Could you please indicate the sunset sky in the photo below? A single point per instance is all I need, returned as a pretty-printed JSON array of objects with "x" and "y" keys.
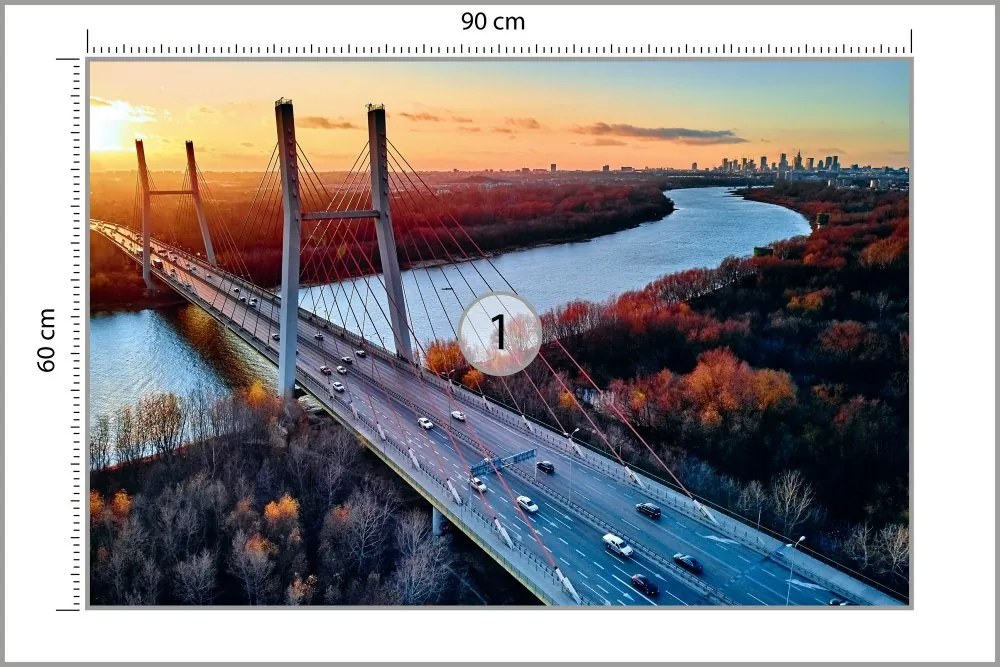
[{"x": 504, "y": 115}]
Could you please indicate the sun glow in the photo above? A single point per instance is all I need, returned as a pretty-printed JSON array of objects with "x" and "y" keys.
[{"x": 112, "y": 124}]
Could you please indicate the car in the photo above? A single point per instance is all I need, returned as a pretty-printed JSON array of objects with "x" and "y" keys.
[
  {"x": 617, "y": 545},
  {"x": 527, "y": 504},
  {"x": 194, "y": 269},
  {"x": 478, "y": 484},
  {"x": 360, "y": 353},
  {"x": 318, "y": 336},
  {"x": 236, "y": 290},
  {"x": 837, "y": 602},
  {"x": 425, "y": 423},
  {"x": 275, "y": 337},
  {"x": 546, "y": 467},
  {"x": 688, "y": 563},
  {"x": 458, "y": 414},
  {"x": 347, "y": 360},
  {"x": 338, "y": 387},
  {"x": 243, "y": 299},
  {"x": 649, "y": 509},
  {"x": 325, "y": 370},
  {"x": 643, "y": 583},
  {"x": 341, "y": 370},
  {"x": 253, "y": 301}
]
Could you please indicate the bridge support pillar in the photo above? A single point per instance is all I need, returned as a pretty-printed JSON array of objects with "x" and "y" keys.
[
  {"x": 199, "y": 211},
  {"x": 291, "y": 247},
  {"x": 146, "y": 206},
  {"x": 383, "y": 229},
  {"x": 437, "y": 522}
]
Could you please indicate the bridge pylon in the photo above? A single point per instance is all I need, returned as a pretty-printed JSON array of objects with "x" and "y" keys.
[
  {"x": 291, "y": 237},
  {"x": 291, "y": 247},
  {"x": 146, "y": 207}
]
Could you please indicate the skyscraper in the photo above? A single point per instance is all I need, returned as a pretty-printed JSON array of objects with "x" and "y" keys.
[
  {"x": 694, "y": 166},
  {"x": 809, "y": 163},
  {"x": 552, "y": 167},
  {"x": 836, "y": 163},
  {"x": 783, "y": 163},
  {"x": 798, "y": 161},
  {"x": 763, "y": 163}
]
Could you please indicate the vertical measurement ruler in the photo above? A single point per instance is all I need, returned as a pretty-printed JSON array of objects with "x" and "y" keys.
[{"x": 71, "y": 349}]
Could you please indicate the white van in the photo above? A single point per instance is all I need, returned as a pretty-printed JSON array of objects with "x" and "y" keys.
[{"x": 617, "y": 545}]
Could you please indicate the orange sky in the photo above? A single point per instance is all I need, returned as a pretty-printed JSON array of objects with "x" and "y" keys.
[{"x": 504, "y": 114}]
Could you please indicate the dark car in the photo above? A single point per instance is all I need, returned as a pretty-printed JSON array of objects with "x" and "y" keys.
[
  {"x": 546, "y": 467},
  {"x": 688, "y": 563},
  {"x": 644, "y": 584},
  {"x": 360, "y": 353},
  {"x": 837, "y": 602},
  {"x": 649, "y": 509},
  {"x": 347, "y": 360}
]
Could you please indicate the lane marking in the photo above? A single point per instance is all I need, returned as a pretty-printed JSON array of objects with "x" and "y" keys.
[
  {"x": 580, "y": 552},
  {"x": 758, "y": 599},
  {"x": 563, "y": 541}
]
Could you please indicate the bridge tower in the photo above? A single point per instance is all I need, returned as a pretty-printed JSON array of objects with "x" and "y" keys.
[
  {"x": 146, "y": 206},
  {"x": 291, "y": 246},
  {"x": 291, "y": 237},
  {"x": 383, "y": 229}
]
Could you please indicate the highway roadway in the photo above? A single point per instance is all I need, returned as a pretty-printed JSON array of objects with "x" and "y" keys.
[{"x": 564, "y": 534}]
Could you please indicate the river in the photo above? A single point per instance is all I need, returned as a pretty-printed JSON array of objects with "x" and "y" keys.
[{"x": 180, "y": 348}]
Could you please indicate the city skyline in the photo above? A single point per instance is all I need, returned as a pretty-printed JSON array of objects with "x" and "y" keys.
[{"x": 505, "y": 115}]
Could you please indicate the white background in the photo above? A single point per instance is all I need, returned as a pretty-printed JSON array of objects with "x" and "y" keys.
[{"x": 953, "y": 240}]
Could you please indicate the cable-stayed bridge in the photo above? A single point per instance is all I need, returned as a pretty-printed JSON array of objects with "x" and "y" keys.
[{"x": 358, "y": 342}]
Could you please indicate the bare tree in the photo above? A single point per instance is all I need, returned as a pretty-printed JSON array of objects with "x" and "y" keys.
[
  {"x": 792, "y": 498},
  {"x": 893, "y": 546},
  {"x": 177, "y": 523},
  {"x": 423, "y": 571},
  {"x": 753, "y": 500},
  {"x": 422, "y": 577},
  {"x": 858, "y": 545},
  {"x": 194, "y": 579},
  {"x": 100, "y": 443},
  {"x": 126, "y": 450},
  {"x": 413, "y": 528},
  {"x": 370, "y": 510},
  {"x": 250, "y": 562}
]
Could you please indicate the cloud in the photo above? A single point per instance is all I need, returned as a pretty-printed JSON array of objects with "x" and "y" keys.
[
  {"x": 681, "y": 135},
  {"x": 423, "y": 116},
  {"x": 469, "y": 129},
  {"x": 460, "y": 119},
  {"x": 601, "y": 141},
  {"x": 503, "y": 130},
  {"x": 321, "y": 123},
  {"x": 98, "y": 102},
  {"x": 832, "y": 150},
  {"x": 523, "y": 123},
  {"x": 246, "y": 143}
]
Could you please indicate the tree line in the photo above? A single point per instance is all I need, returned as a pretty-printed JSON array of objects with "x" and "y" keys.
[
  {"x": 207, "y": 500},
  {"x": 457, "y": 221}
]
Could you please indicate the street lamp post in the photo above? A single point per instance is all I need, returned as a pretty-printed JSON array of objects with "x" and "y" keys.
[{"x": 791, "y": 568}]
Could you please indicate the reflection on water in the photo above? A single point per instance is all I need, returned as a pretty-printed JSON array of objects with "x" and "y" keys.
[
  {"x": 177, "y": 349},
  {"x": 180, "y": 348}
]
